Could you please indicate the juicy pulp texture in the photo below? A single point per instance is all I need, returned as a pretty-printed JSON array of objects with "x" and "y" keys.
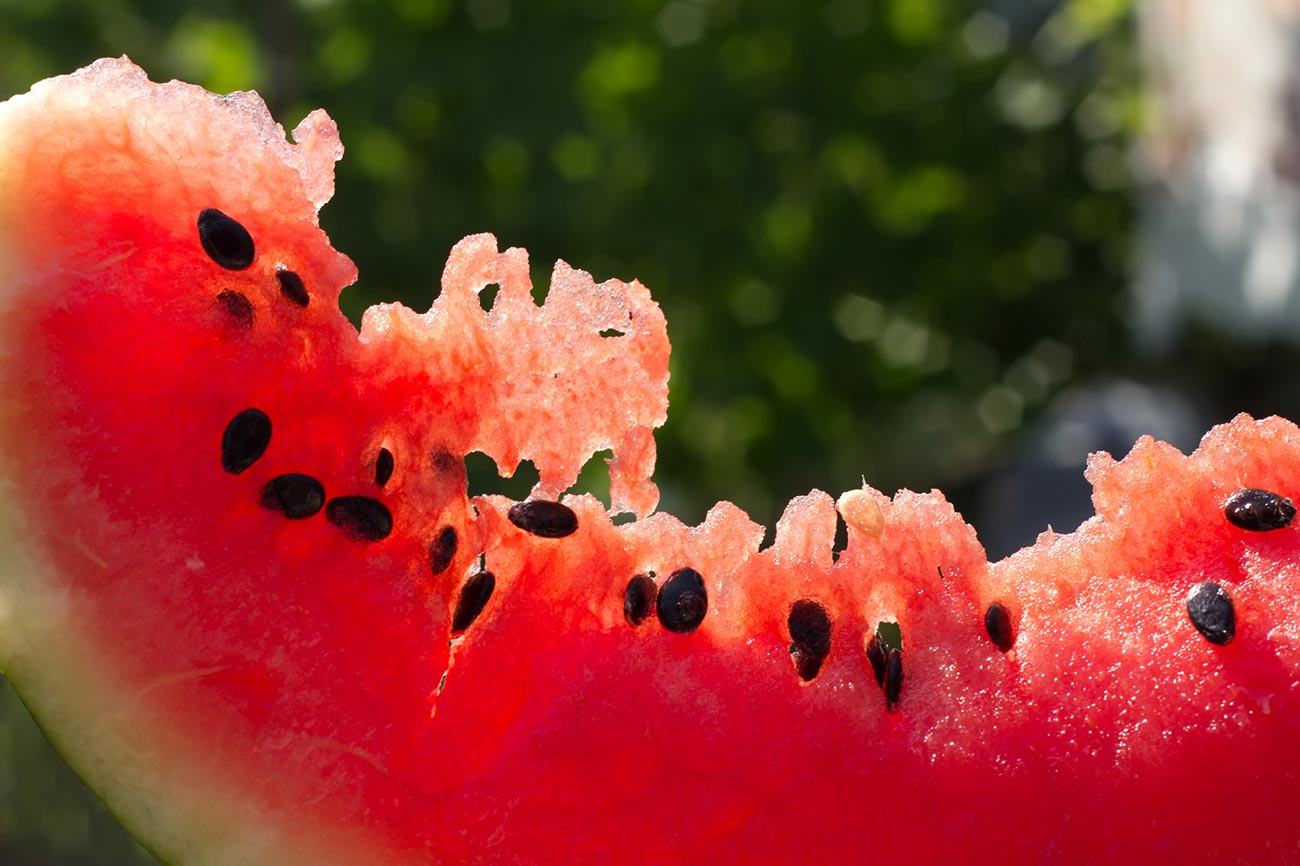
[{"x": 247, "y": 688}]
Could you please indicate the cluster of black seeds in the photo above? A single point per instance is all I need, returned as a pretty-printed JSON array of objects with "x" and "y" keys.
[
  {"x": 296, "y": 495},
  {"x": 299, "y": 496},
  {"x": 682, "y": 602},
  {"x": 230, "y": 245},
  {"x": 1209, "y": 605}
]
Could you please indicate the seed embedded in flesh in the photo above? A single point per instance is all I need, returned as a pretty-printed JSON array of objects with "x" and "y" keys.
[
  {"x": 885, "y": 639},
  {"x": 244, "y": 440},
  {"x": 1259, "y": 510},
  {"x": 224, "y": 240},
  {"x": 237, "y": 307},
  {"x": 638, "y": 599},
  {"x": 683, "y": 601},
  {"x": 474, "y": 597},
  {"x": 1211, "y": 610},
  {"x": 291, "y": 286},
  {"x": 450, "y": 469},
  {"x": 810, "y": 633},
  {"x": 442, "y": 550},
  {"x": 876, "y": 655},
  {"x": 893, "y": 679},
  {"x": 294, "y": 495},
  {"x": 997, "y": 622},
  {"x": 360, "y": 517},
  {"x": 544, "y": 518},
  {"x": 385, "y": 463}
]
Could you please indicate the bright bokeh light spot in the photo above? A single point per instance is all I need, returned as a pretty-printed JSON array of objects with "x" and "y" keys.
[
  {"x": 859, "y": 319},
  {"x": 221, "y": 55}
]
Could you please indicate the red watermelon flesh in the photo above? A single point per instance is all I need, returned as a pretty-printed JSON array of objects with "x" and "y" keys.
[{"x": 259, "y": 671}]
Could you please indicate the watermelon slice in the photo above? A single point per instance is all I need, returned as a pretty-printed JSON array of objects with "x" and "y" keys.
[{"x": 247, "y": 596}]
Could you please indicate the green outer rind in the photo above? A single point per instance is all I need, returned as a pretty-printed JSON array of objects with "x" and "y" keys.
[
  {"x": 180, "y": 811},
  {"x": 64, "y": 756},
  {"x": 153, "y": 781},
  {"x": 119, "y": 762}
]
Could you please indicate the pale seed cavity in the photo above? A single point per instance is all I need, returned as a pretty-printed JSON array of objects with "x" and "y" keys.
[
  {"x": 1211, "y": 610},
  {"x": 244, "y": 440},
  {"x": 544, "y": 518},
  {"x": 810, "y": 634},
  {"x": 224, "y": 240},
  {"x": 474, "y": 596},
  {"x": 360, "y": 517},
  {"x": 1259, "y": 510},
  {"x": 682, "y": 601}
]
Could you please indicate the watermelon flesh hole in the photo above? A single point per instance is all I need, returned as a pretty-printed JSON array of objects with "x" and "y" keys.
[{"x": 256, "y": 670}]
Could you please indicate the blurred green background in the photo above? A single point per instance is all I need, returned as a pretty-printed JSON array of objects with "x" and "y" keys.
[{"x": 886, "y": 233}]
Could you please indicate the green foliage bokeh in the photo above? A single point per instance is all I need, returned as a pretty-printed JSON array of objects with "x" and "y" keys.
[{"x": 885, "y": 232}]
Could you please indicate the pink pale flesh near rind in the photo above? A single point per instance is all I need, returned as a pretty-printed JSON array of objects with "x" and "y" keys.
[
  {"x": 527, "y": 372},
  {"x": 247, "y": 689}
]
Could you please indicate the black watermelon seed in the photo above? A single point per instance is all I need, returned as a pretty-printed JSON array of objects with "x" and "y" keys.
[
  {"x": 237, "y": 306},
  {"x": 291, "y": 287},
  {"x": 886, "y": 636},
  {"x": 245, "y": 440},
  {"x": 876, "y": 655},
  {"x": 446, "y": 463},
  {"x": 224, "y": 240},
  {"x": 360, "y": 517},
  {"x": 442, "y": 550},
  {"x": 450, "y": 468},
  {"x": 810, "y": 631},
  {"x": 544, "y": 518},
  {"x": 683, "y": 601},
  {"x": 638, "y": 599},
  {"x": 474, "y": 597},
  {"x": 384, "y": 466},
  {"x": 1210, "y": 608},
  {"x": 295, "y": 495},
  {"x": 1258, "y": 510},
  {"x": 997, "y": 622},
  {"x": 893, "y": 679}
]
